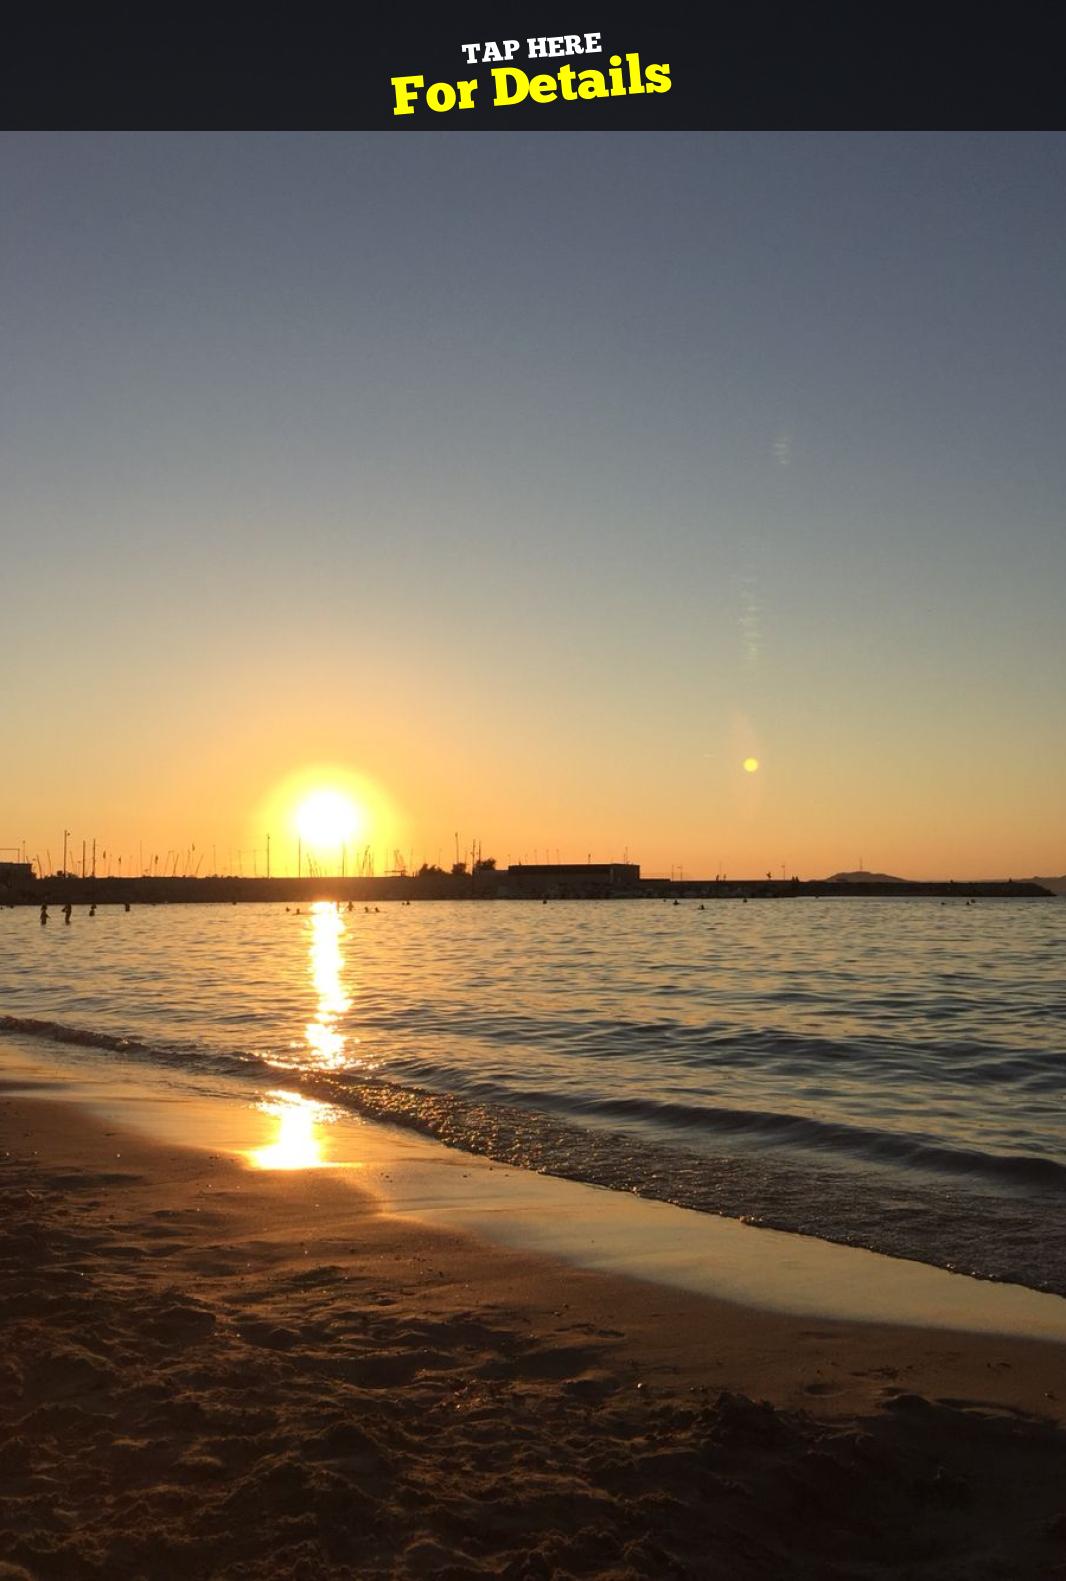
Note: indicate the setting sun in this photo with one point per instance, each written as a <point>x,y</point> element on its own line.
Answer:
<point>328,818</point>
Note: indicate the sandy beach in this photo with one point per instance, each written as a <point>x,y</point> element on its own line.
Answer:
<point>214,1370</point>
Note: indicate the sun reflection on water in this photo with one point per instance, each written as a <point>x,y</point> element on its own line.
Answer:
<point>298,1144</point>
<point>325,1041</point>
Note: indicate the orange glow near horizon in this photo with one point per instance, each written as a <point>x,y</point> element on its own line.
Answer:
<point>522,803</point>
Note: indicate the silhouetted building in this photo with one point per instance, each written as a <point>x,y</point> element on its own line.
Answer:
<point>570,878</point>
<point>15,872</point>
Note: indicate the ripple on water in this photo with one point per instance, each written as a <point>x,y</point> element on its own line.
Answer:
<point>879,1071</point>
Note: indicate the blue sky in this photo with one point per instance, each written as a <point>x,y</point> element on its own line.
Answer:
<point>536,477</point>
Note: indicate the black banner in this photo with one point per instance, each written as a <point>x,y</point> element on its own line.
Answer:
<point>770,66</point>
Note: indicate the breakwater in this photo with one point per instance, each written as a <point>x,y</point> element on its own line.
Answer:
<point>503,885</point>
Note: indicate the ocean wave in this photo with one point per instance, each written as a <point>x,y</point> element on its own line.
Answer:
<point>704,1044</point>
<point>187,1055</point>
<point>793,1130</point>
<point>861,1144</point>
<point>845,1183</point>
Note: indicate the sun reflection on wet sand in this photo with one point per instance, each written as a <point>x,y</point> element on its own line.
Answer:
<point>298,1144</point>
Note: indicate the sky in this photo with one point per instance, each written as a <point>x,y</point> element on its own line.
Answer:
<point>530,484</point>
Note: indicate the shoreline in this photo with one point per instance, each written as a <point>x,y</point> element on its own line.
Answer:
<point>233,1371</point>
<point>934,1243</point>
<point>414,1174</point>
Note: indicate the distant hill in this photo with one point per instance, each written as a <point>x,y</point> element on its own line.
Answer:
<point>868,878</point>
<point>1057,886</point>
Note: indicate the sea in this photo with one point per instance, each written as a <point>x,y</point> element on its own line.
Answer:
<point>888,1073</point>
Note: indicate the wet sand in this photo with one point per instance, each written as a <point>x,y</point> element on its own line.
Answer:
<point>213,1370</point>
